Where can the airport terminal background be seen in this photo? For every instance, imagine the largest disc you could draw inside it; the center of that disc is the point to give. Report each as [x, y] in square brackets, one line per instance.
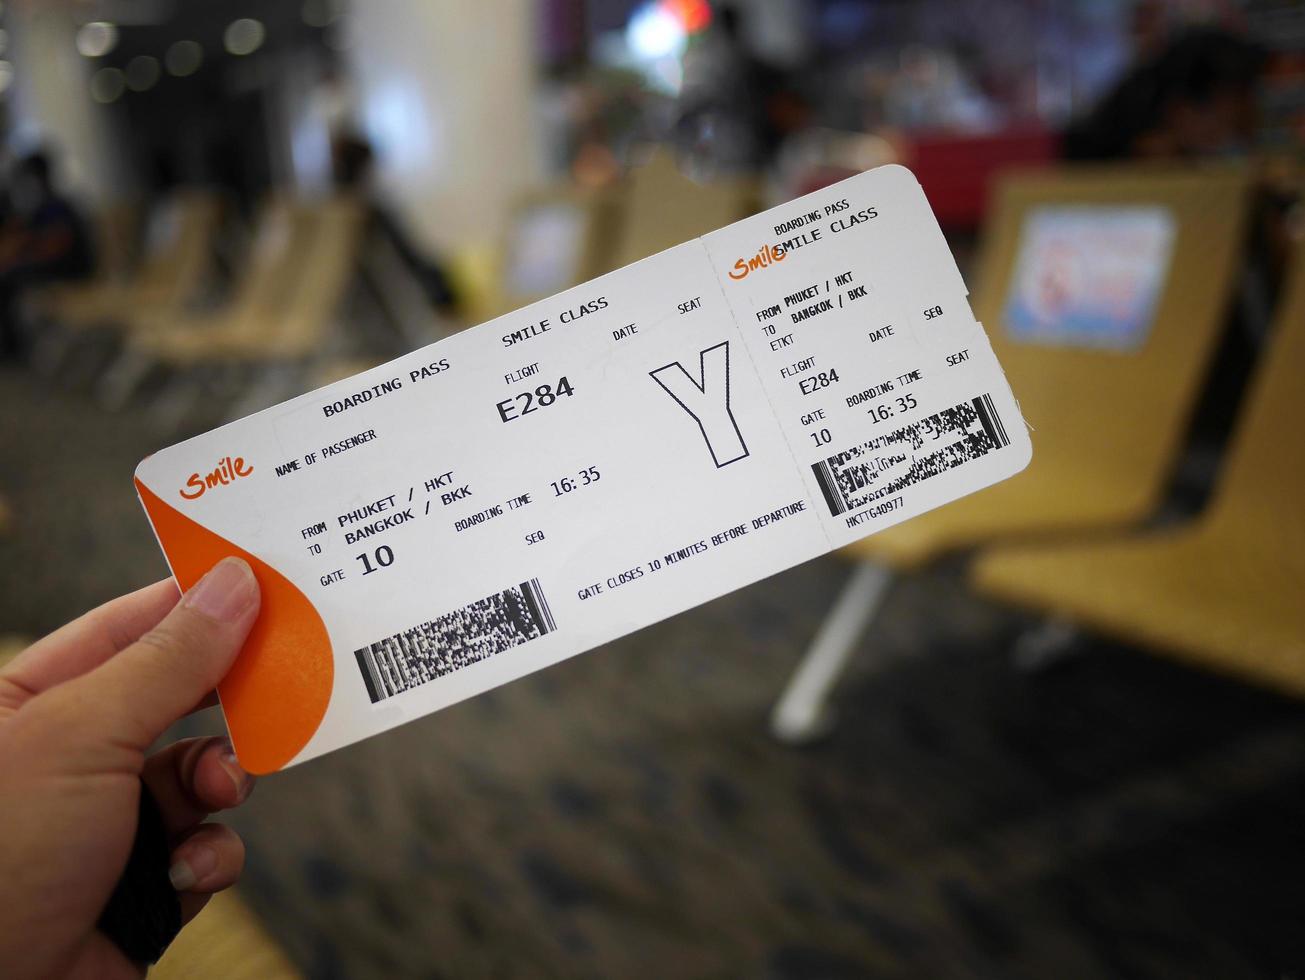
[1062, 732]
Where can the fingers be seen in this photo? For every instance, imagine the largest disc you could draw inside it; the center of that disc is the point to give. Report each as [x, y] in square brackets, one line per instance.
[86, 642]
[129, 700]
[193, 778]
[207, 861]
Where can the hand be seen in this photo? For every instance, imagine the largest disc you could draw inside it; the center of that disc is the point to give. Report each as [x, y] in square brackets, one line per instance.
[78, 712]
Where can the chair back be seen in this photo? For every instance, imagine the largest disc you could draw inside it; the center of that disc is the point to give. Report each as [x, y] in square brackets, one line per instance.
[1260, 497]
[327, 262]
[1104, 292]
[177, 250]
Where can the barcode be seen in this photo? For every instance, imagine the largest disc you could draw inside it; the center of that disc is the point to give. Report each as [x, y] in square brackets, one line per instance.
[887, 464]
[454, 640]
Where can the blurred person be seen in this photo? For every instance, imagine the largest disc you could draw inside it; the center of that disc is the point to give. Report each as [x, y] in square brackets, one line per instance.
[352, 161]
[734, 105]
[79, 711]
[1192, 99]
[44, 239]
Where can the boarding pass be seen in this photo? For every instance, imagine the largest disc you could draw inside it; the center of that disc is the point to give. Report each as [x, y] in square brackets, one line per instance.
[558, 477]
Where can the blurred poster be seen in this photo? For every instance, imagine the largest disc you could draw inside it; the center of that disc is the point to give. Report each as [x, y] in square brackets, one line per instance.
[1089, 276]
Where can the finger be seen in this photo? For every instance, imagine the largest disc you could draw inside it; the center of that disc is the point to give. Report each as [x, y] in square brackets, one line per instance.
[193, 778]
[86, 642]
[207, 861]
[131, 699]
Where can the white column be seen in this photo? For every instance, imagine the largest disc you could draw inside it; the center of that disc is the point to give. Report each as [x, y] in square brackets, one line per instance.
[51, 103]
[445, 92]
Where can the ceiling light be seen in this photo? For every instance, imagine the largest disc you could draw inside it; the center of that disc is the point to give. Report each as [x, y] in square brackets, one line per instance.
[183, 58]
[655, 32]
[142, 72]
[244, 36]
[107, 85]
[97, 38]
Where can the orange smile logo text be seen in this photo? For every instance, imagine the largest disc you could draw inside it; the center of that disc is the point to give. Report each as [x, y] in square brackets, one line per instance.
[228, 470]
[767, 255]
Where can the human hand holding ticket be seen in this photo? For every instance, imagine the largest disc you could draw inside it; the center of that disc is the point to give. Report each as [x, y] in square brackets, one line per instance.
[79, 711]
[553, 479]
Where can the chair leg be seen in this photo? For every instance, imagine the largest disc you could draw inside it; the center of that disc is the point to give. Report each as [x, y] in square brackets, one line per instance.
[121, 380]
[801, 714]
[50, 347]
[181, 392]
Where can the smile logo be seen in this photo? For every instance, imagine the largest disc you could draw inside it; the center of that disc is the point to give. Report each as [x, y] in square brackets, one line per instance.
[768, 255]
[227, 471]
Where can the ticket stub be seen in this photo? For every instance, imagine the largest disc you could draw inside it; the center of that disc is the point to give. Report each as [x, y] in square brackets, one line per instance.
[571, 472]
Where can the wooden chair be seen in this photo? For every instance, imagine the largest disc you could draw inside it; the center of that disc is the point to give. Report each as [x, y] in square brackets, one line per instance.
[663, 208]
[1107, 423]
[282, 232]
[176, 257]
[1227, 591]
[115, 229]
[326, 272]
[306, 281]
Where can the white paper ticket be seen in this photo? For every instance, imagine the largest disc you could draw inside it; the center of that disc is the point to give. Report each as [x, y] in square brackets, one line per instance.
[576, 470]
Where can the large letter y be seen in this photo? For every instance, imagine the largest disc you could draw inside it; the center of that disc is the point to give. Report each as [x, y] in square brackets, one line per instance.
[707, 400]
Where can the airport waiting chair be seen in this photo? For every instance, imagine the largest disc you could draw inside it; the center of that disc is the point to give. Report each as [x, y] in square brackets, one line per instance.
[662, 208]
[1107, 422]
[555, 238]
[1227, 591]
[283, 232]
[176, 257]
[115, 228]
[275, 341]
[326, 271]
[118, 228]
[294, 288]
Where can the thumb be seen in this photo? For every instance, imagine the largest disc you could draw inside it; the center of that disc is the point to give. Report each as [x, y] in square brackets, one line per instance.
[134, 696]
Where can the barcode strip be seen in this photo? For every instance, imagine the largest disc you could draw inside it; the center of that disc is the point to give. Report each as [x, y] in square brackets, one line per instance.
[539, 610]
[828, 488]
[872, 470]
[370, 678]
[454, 640]
[996, 420]
[991, 422]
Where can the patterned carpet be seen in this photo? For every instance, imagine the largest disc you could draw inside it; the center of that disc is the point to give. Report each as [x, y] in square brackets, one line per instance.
[625, 815]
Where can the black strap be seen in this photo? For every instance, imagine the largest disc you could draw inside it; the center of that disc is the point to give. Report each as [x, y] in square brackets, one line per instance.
[144, 912]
